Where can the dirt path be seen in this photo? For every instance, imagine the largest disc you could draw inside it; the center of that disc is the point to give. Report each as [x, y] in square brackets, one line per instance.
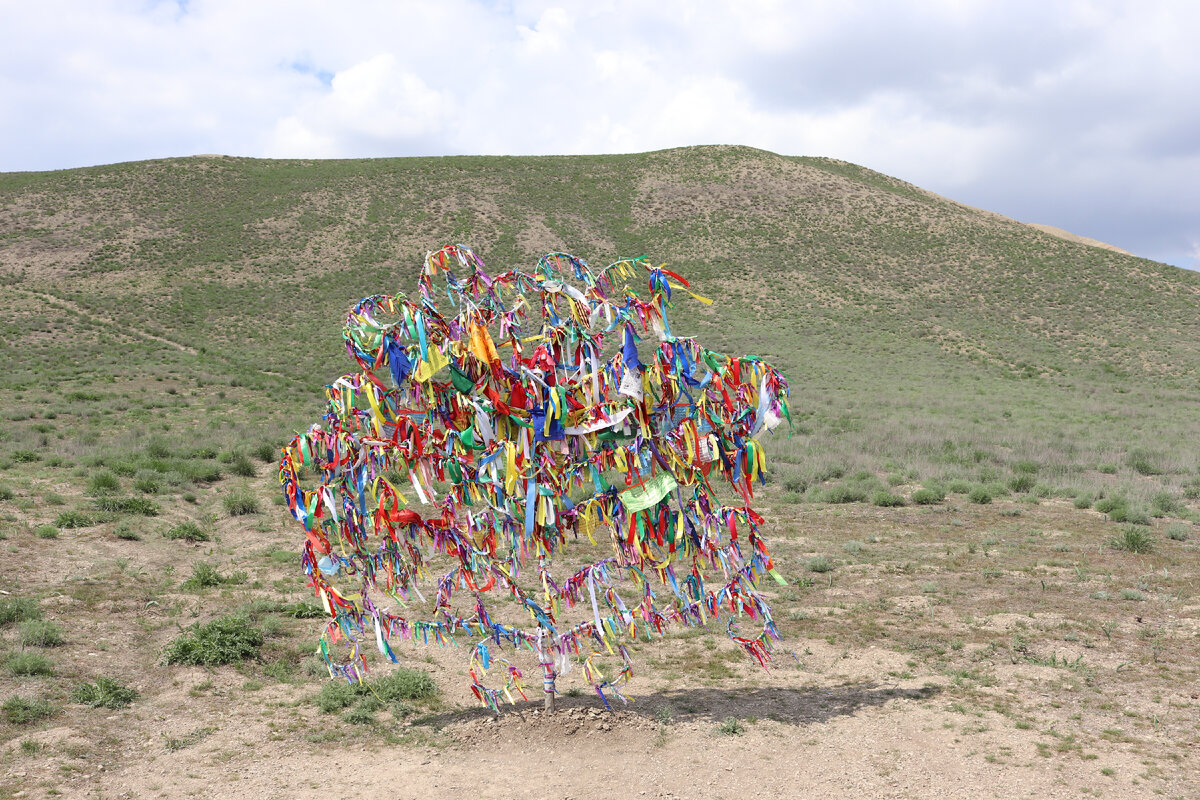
[69, 306]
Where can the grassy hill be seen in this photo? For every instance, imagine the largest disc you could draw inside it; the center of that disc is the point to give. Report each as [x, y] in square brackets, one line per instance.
[198, 301]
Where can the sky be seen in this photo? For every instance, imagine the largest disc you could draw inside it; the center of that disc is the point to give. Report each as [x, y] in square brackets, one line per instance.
[1082, 115]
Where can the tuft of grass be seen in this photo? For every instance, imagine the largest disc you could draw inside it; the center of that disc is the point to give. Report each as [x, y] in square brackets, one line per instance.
[26, 664]
[104, 693]
[74, 519]
[46, 531]
[1177, 532]
[123, 531]
[980, 495]
[41, 633]
[843, 493]
[402, 684]
[128, 505]
[18, 609]
[886, 499]
[104, 483]
[22, 710]
[1132, 594]
[242, 466]
[267, 453]
[820, 564]
[6, 493]
[731, 726]
[188, 531]
[927, 497]
[206, 576]
[239, 504]
[1133, 539]
[1083, 501]
[226, 640]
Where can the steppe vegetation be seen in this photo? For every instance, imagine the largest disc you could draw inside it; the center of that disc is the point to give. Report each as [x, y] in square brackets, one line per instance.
[986, 505]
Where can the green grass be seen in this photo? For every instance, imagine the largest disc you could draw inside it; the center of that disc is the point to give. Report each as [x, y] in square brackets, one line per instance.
[24, 710]
[41, 633]
[401, 684]
[240, 503]
[226, 640]
[188, 531]
[207, 576]
[18, 609]
[27, 664]
[104, 692]
[1133, 539]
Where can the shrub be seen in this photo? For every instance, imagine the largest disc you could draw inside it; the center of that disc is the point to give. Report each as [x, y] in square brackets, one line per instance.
[22, 711]
[820, 564]
[104, 693]
[958, 486]
[796, 484]
[979, 495]
[1021, 483]
[188, 531]
[1133, 539]
[157, 448]
[1164, 502]
[147, 485]
[1107, 469]
[206, 576]
[6, 493]
[843, 493]
[1083, 501]
[1106, 505]
[29, 664]
[18, 609]
[25, 456]
[225, 640]
[1026, 467]
[123, 531]
[242, 466]
[1132, 594]
[886, 499]
[40, 633]
[1142, 462]
[239, 504]
[927, 497]
[74, 519]
[267, 452]
[104, 483]
[46, 531]
[731, 726]
[128, 505]
[398, 685]
[1177, 532]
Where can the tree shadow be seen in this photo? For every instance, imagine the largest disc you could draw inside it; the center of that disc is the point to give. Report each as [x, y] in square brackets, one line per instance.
[793, 706]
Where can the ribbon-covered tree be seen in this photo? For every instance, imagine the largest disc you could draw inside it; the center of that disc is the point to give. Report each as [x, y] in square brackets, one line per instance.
[516, 445]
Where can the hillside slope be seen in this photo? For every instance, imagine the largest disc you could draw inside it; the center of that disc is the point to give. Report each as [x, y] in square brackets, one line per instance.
[923, 337]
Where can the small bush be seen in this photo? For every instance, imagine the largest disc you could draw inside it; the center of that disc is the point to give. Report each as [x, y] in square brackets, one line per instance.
[1132, 594]
[1162, 503]
[400, 685]
[1021, 483]
[1083, 501]
[188, 531]
[1133, 539]
[843, 493]
[958, 487]
[1177, 532]
[74, 519]
[6, 493]
[239, 504]
[1142, 462]
[927, 497]
[18, 609]
[147, 485]
[1106, 505]
[206, 576]
[820, 564]
[796, 484]
[46, 531]
[1026, 467]
[731, 726]
[104, 483]
[22, 711]
[267, 453]
[979, 495]
[25, 456]
[41, 633]
[128, 505]
[104, 693]
[1107, 469]
[362, 714]
[242, 466]
[225, 640]
[123, 531]
[886, 499]
[27, 664]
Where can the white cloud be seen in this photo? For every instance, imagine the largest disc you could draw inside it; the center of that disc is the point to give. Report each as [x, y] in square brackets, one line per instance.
[1066, 113]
